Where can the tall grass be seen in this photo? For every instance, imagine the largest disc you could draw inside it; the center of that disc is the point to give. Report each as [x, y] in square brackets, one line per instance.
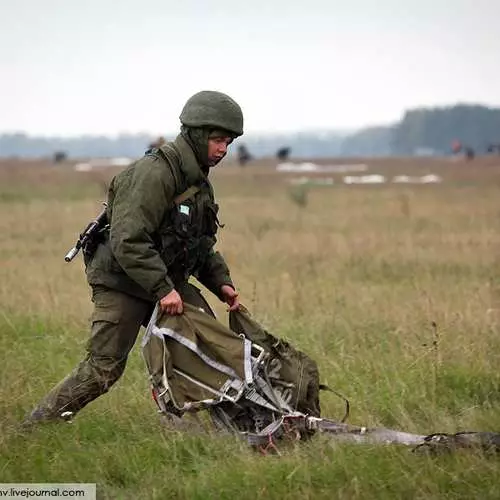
[393, 290]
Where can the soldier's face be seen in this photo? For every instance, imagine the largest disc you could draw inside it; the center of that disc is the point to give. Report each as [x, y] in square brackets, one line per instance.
[217, 149]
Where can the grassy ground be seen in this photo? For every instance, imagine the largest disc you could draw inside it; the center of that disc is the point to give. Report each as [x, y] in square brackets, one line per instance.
[394, 290]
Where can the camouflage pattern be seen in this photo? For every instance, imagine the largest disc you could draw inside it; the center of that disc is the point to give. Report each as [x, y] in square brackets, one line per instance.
[154, 245]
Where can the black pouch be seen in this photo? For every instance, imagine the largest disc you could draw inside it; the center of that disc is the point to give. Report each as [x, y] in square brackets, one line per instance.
[182, 220]
[211, 220]
[179, 242]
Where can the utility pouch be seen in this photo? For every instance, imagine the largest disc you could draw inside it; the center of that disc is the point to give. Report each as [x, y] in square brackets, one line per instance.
[211, 220]
[182, 220]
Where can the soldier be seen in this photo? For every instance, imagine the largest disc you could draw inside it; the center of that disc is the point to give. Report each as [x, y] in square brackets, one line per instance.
[162, 225]
[158, 142]
[244, 155]
[283, 153]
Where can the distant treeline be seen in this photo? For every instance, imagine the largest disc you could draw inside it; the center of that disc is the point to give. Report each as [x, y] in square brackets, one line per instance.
[420, 131]
[22, 145]
[476, 127]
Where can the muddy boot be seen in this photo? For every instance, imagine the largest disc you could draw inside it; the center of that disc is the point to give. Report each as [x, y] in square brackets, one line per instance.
[40, 416]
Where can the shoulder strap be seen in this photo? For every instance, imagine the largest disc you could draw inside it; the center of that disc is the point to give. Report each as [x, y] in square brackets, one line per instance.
[169, 155]
[190, 191]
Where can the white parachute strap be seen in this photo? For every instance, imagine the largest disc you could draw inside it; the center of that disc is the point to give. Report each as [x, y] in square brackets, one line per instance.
[151, 323]
[160, 332]
[247, 346]
[253, 396]
[222, 395]
[164, 379]
[152, 329]
[235, 385]
[276, 403]
[280, 405]
[266, 435]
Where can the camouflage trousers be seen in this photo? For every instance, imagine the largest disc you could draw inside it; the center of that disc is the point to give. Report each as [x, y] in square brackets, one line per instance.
[116, 321]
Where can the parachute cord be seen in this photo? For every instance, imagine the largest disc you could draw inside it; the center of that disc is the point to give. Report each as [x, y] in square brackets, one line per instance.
[324, 387]
[299, 388]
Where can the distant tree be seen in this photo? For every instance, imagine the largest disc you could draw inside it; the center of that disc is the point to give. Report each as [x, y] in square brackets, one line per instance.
[371, 141]
[436, 128]
[424, 129]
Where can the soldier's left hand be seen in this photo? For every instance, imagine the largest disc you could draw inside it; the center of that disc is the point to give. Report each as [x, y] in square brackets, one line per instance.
[230, 296]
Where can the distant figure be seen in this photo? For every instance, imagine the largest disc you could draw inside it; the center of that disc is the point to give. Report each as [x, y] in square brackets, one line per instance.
[160, 141]
[244, 155]
[494, 147]
[456, 146]
[283, 153]
[59, 156]
[469, 153]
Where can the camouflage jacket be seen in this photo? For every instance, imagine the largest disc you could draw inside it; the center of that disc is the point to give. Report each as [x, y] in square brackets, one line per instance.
[153, 243]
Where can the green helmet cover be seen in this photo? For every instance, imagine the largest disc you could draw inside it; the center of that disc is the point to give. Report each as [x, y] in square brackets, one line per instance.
[212, 109]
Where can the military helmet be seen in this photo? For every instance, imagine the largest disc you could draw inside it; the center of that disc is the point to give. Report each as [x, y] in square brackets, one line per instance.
[210, 108]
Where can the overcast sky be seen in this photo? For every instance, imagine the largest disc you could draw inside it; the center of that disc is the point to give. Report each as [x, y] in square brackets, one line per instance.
[70, 67]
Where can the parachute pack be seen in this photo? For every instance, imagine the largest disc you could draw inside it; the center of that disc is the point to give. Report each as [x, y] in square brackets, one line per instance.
[258, 386]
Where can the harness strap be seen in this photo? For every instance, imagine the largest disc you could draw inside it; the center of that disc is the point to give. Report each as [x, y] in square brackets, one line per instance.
[190, 192]
[171, 158]
[169, 155]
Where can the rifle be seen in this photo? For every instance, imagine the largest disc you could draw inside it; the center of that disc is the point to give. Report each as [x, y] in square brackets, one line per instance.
[89, 233]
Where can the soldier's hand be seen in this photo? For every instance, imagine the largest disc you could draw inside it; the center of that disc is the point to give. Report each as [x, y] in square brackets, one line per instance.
[230, 296]
[172, 303]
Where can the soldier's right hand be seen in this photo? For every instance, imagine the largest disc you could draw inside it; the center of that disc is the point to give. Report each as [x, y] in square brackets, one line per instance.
[172, 303]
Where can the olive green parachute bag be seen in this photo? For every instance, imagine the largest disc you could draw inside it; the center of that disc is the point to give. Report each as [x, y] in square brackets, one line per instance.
[291, 372]
[258, 386]
[245, 377]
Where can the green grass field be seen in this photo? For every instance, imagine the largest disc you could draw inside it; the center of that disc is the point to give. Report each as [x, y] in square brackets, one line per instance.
[393, 289]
